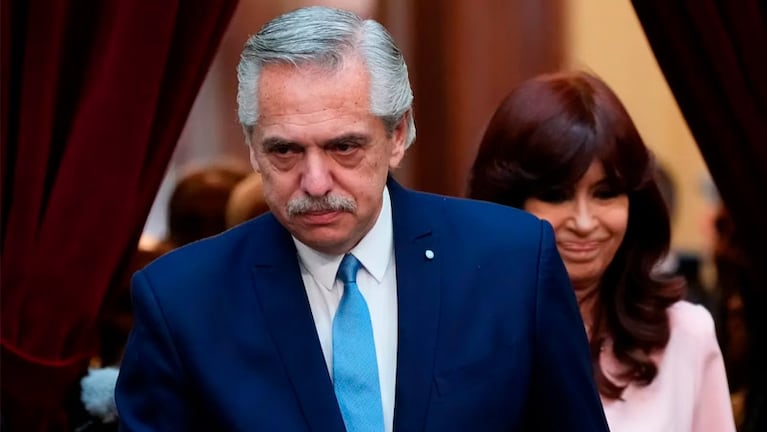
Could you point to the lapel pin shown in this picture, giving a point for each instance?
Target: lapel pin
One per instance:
(429, 254)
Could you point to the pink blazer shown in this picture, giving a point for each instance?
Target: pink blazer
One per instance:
(690, 392)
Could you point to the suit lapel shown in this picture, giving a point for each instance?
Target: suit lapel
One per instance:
(286, 310)
(418, 295)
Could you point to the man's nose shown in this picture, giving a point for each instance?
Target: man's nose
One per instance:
(317, 179)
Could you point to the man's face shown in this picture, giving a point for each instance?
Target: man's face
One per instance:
(323, 156)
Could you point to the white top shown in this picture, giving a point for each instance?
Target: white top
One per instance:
(378, 284)
(689, 393)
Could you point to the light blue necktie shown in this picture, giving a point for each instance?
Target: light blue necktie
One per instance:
(355, 369)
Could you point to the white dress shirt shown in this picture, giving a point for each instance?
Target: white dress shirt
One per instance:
(377, 281)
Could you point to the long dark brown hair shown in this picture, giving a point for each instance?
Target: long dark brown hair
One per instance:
(542, 138)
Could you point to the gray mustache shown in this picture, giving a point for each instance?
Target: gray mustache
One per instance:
(306, 204)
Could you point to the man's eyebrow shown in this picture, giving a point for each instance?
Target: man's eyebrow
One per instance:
(351, 138)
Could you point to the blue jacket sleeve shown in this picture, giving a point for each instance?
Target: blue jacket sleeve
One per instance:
(151, 393)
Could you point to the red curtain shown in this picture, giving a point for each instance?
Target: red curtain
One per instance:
(713, 54)
(94, 96)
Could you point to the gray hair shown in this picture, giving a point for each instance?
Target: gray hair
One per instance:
(325, 37)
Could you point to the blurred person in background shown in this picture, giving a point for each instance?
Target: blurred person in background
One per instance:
(197, 206)
(246, 201)
(738, 332)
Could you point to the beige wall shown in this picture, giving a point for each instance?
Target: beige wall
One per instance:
(605, 37)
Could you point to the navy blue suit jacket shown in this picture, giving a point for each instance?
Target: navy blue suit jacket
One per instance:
(490, 337)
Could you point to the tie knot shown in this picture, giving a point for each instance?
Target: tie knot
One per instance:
(347, 271)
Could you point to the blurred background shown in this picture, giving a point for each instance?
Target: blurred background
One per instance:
(119, 127)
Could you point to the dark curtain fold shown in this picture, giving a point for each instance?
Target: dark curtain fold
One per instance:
(713, 54)
(94, 96)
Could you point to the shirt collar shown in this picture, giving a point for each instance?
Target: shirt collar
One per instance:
(323, 267)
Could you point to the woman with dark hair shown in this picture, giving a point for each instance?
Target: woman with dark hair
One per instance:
(563, 147)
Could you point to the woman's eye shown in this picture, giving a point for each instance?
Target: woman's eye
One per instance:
(554, 196)
(606, 193)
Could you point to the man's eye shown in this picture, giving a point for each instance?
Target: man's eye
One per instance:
(281, 149)
(344, 148)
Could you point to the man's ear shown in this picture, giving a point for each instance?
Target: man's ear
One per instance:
(399, 140)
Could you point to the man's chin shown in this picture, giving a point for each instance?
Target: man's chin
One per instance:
(328, 246)
(327, 238)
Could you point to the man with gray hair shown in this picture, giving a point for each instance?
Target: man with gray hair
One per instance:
(355, 304)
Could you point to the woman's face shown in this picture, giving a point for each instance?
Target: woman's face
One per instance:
(589, 223)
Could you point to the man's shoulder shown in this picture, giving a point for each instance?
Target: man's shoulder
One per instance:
(215, 256)
(476, 214)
